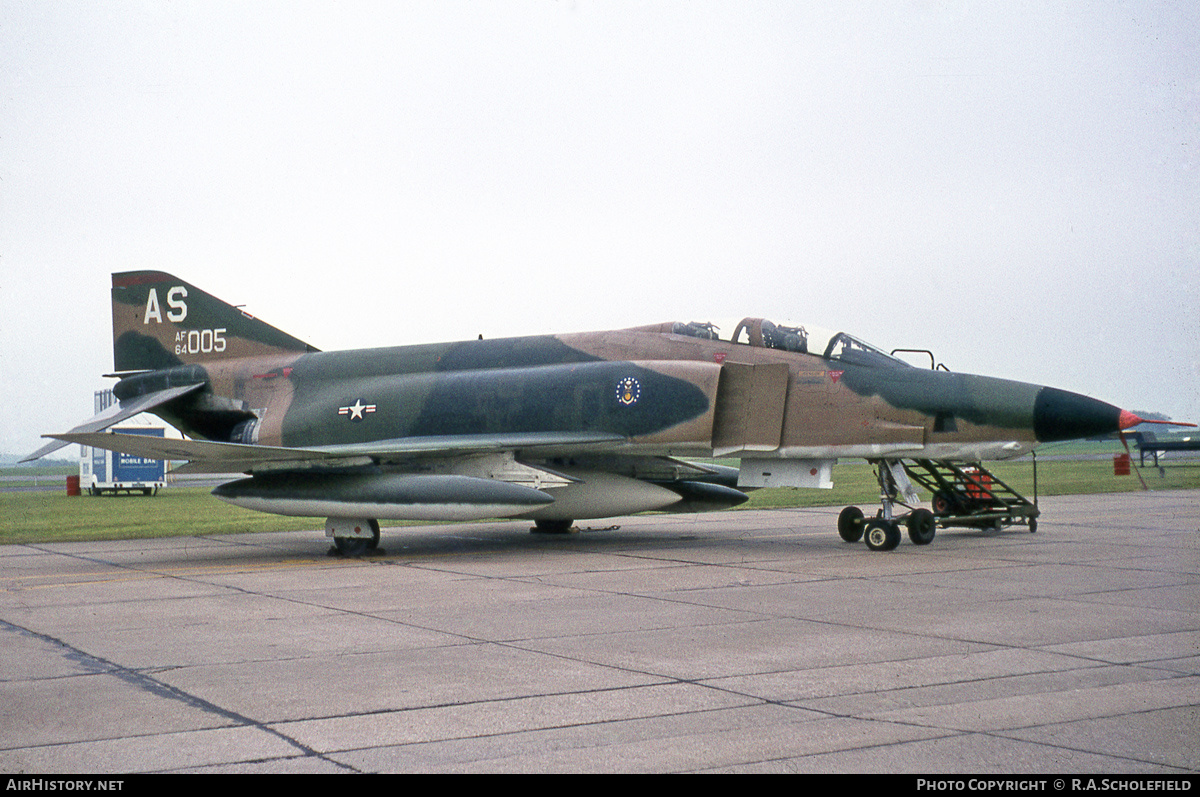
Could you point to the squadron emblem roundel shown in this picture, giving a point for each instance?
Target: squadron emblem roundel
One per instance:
(629, 390)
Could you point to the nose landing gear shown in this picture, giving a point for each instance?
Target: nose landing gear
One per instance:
(882, 532)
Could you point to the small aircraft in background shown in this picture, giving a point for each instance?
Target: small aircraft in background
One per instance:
(557, 428)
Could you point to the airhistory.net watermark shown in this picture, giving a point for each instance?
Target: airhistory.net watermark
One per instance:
(51, 784)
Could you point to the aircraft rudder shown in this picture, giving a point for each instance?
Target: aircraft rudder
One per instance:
(161, 321)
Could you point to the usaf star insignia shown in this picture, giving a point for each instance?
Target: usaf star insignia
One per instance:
(629, 390)
(356, 411)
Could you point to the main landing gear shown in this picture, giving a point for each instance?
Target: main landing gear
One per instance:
(353, 537)
(559, 526)
(963, 495)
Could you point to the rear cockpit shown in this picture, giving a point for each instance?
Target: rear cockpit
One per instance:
(761, 332)
(836, 346)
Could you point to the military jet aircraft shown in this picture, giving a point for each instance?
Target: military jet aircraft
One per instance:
(558, 428)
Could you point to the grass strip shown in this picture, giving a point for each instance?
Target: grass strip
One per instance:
(41, 517)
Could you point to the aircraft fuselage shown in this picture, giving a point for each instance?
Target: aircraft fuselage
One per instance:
(559, 427)
(664, 393)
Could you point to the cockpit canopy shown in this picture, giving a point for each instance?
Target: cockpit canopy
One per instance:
(837, 346)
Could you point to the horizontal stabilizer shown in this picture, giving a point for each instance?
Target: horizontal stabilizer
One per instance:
(236, 455)
(112, 416)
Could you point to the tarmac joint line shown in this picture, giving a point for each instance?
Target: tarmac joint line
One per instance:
(140, 680)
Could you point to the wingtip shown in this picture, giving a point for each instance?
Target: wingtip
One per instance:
(49, 448)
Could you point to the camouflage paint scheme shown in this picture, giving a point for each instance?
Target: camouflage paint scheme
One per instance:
(548, 414)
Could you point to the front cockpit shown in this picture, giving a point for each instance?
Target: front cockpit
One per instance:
(835, 346)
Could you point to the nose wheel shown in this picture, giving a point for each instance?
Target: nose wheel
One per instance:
(850, 524)
(881, 534)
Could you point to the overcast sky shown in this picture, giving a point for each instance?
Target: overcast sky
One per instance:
(1015, 186)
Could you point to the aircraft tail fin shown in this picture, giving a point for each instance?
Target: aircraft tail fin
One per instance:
(160, 321)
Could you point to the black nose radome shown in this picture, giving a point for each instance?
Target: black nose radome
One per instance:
(1061, 415)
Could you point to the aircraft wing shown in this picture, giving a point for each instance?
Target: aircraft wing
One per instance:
(112, 416)
(474, 443)
(206, 456)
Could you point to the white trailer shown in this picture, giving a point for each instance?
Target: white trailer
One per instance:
(102, 471)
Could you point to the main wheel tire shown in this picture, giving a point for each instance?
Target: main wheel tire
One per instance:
(358, 546)
(942, 504)
(881, 535)
(352, 546)
(850, 524)
(922, 526)
(552, 526)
